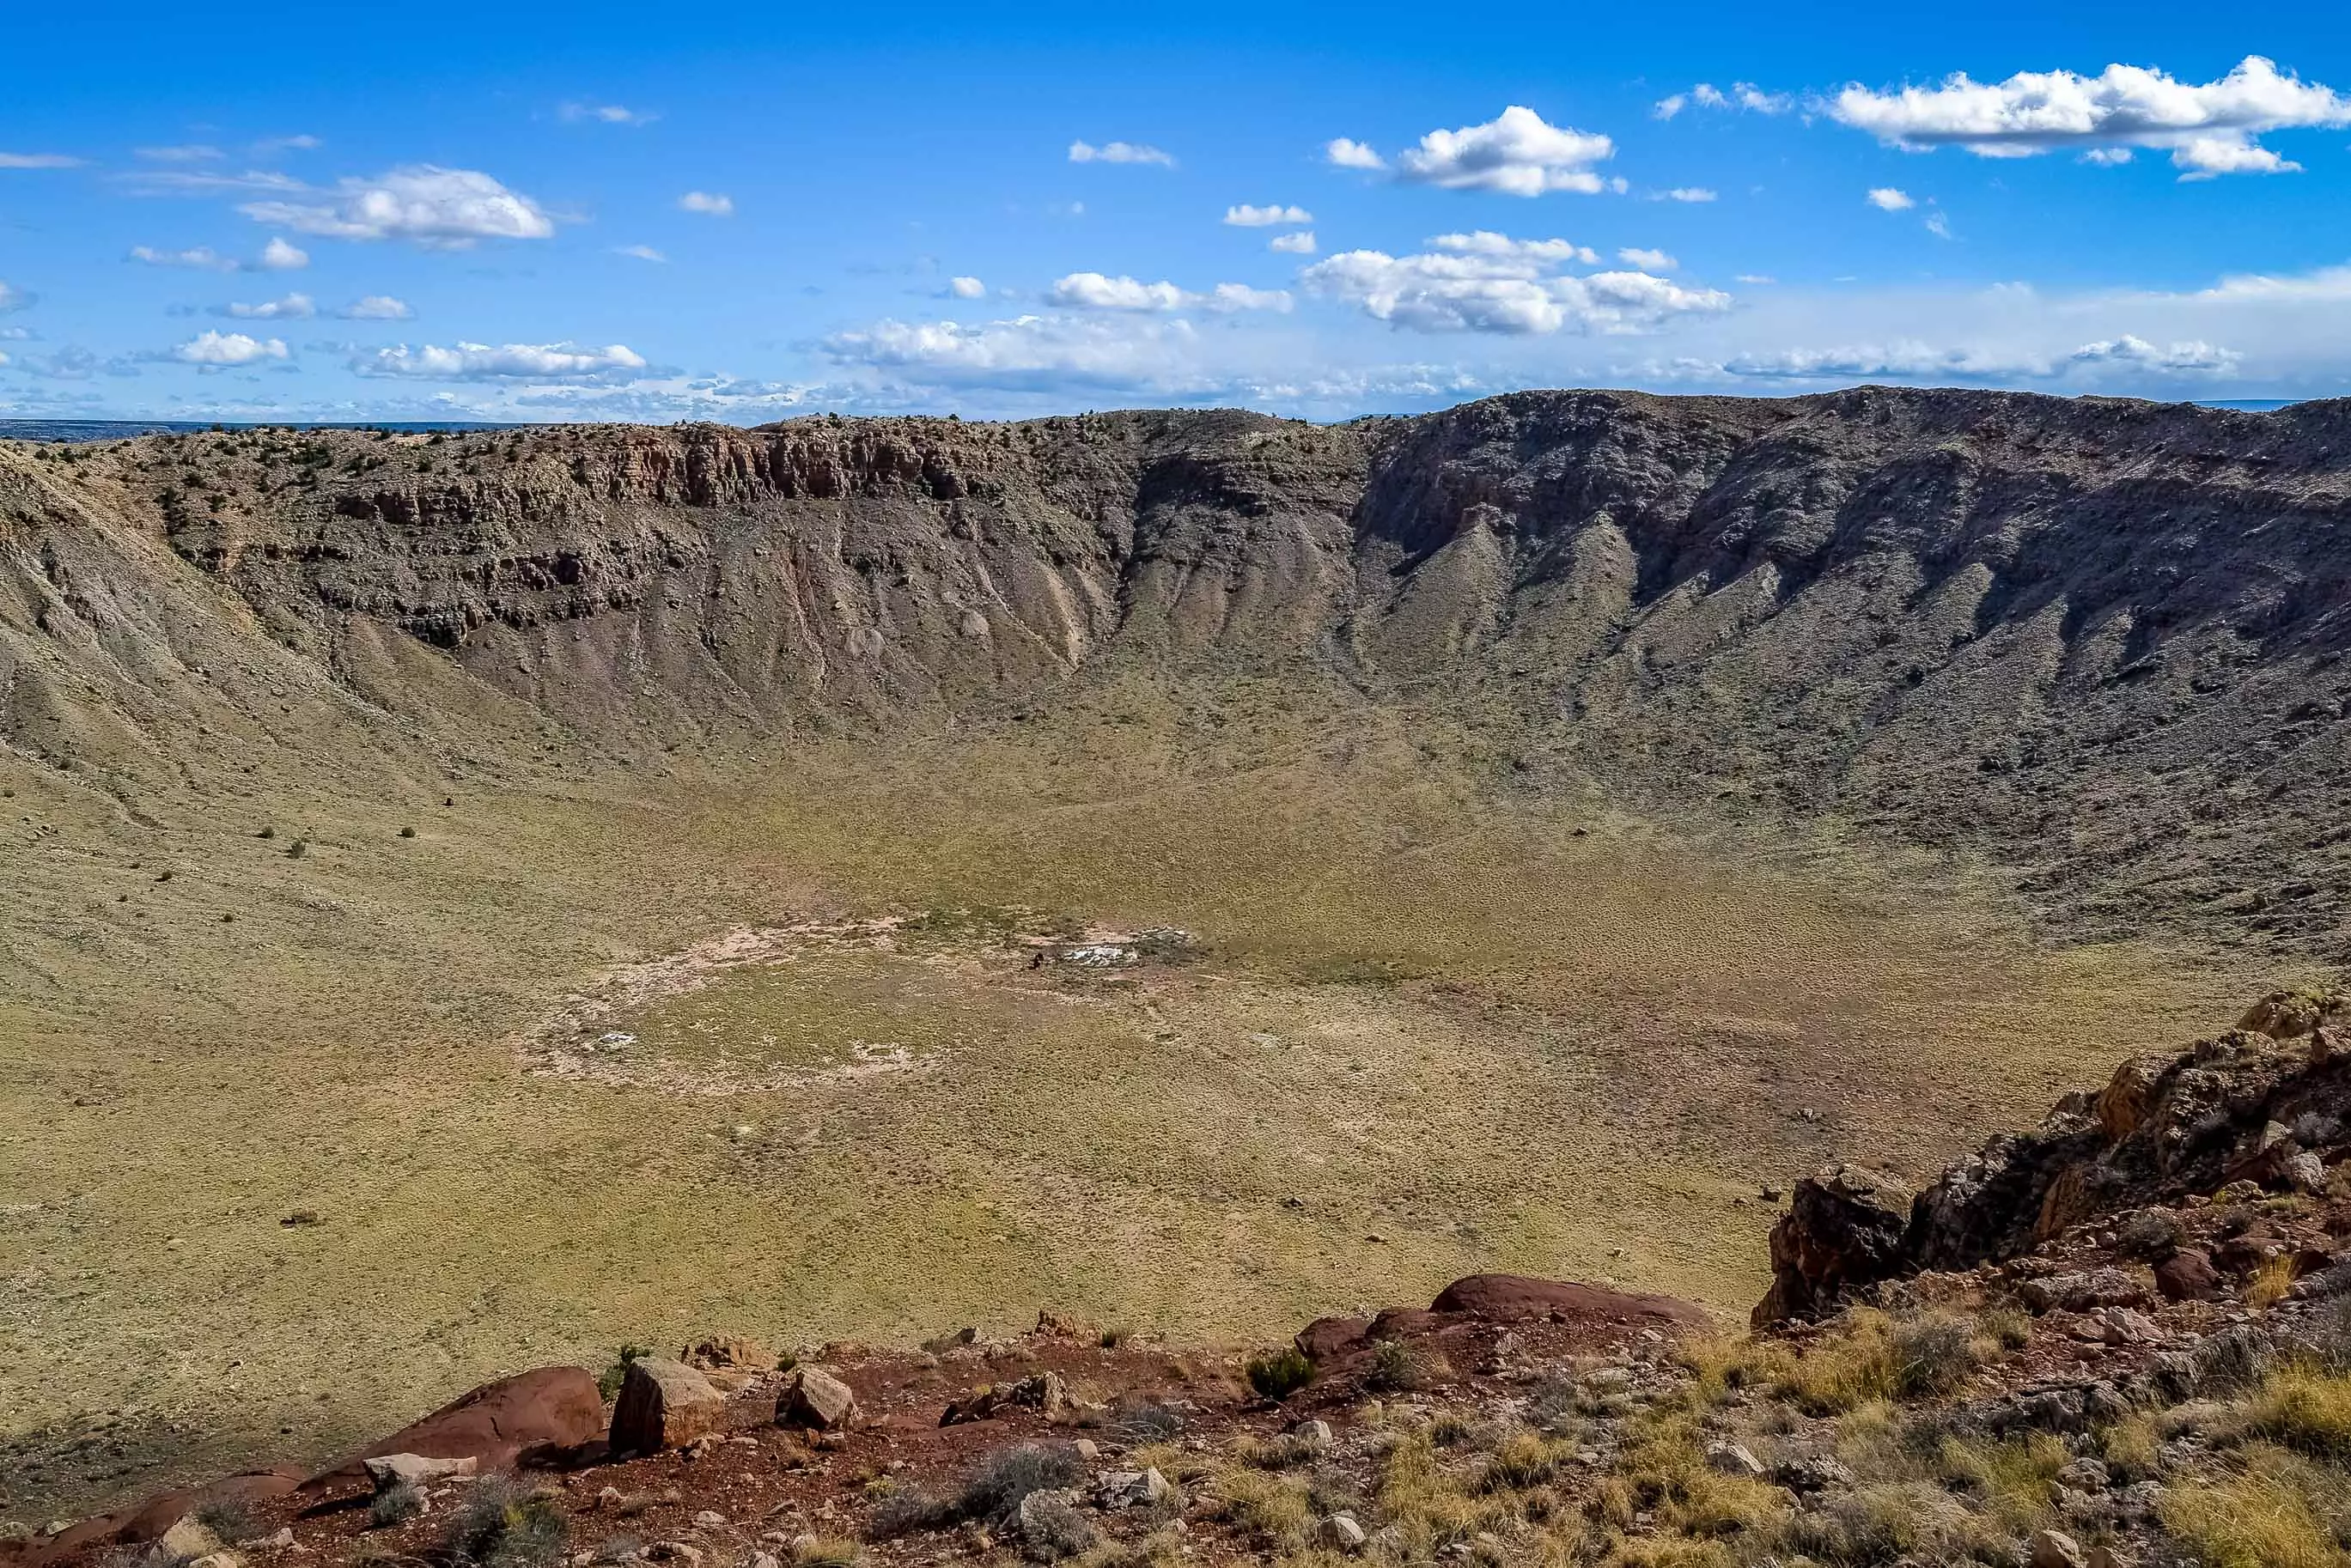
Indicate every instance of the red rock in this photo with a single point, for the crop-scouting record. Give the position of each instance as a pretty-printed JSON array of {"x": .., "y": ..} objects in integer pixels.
[
  {"x": 1327, "y": 1338},
  {"x": 552, "y": 1406},
  {"x": 663, "y": 1404},
  {"x": 2188, "y": 1276},
  {"x": 148, "y": 1521},
  {"x": 1514, "y": 1298}
]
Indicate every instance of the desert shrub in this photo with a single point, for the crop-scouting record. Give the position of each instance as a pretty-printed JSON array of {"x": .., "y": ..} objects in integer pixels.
[
  {"x": 228, "y": 1519},
  {"x": 1145, "y": 1420},
  {"x": 618, "y": 1549},
  {"x": 2231, "y": 1359},
  {"x": 2151, "y": 1235},
  {"x": 1273, "y": 1511},
  {"x": 2280, "y": 1512},
  {"x": 608, "y": 1381},
  {"x": 1051, "y": 1530},
  {"x": 996, "y": 1484},
  {"x": 1399, "y": 1367},
  {"x": 1932, "y": 1354},
  {"x": 908, "y": 1509},
  {"x": 2306, "y": 1408},
  {"x": 2271, "y": 1282},
  {"x": 827, "y": 1552},
  {"x": 395, "y": 1504},
  {"x": 1884, "y": 1525},
  {"x": 502, "y": 1524},
  {"x": 2011, "y": 1477},
  {"x": 1522, "y": 1459},
  {"x": 2005, "y": 1328},
  {"x": 1278, "y": 1373},
  {"x": 1835, "y": 1374},
  {"x": 2133, "y": 1447}
]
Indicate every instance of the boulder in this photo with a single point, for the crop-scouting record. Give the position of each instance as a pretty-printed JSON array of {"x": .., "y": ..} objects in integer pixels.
[
  {"x": 2080, "y": 1292},
  {"x": 1052, "y": 1325},
  {"x": 1341, "y": 1532},
  {"x": 663, "y": 1404},
  {"x": 816, "y": 1399},
  {"x": 389, "y": 1470},
  {"x": 552, "y": 1407},
  {"x": 1733, "y": 1459},
  {"x": 2188, "y": 1276},
  {"x": 1842, "y": 1230},
  {"x": 2056, "y": 1549},
  {"x": 1043, "y": 1392},
  {"x": 1132, "y": 1488},
  {"x": 1518, "y": 1298}
]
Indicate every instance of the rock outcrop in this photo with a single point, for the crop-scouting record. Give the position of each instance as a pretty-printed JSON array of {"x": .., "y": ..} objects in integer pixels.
[{"x": 2266, "y": 1105}]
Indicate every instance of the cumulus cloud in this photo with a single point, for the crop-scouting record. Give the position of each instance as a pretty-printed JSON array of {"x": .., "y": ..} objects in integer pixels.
[
  {"x": 1910, "y": 360},
  {"x": 1119, "y": 153},
  {"x": 967, "y": 288},
  {"x": 1300, "y": 244},
  {"x": 638, "y": 253},
  {"x": 1490, "y": 283},
  {"x": 607, "y": 114},
  {"x": 1245, "y": 216},
  {"x": 377, "y": 307},
  {"x": 508, "y": 361},
  {"x": 1516, "y": 153},
  {"x": 1345, "y": 152},
  {"x": 2128, "y": 349},
  {"x": 1037, "y": 352},
  {"x": 709, "y": 203},
  {"x": 1939, "y": 226},
  {"x": 1887, "y": 198},
  {"x": 1094, "y": 291},
  {"x": 443, "y": 209},
  {"x": 275, "y": 256},
  {"x": 293, "y": 308},
  {"x": 1646, "y": 260},
  {"x": 37, "y": 160},
  {"x": 221, "y": 349},
  {"x": 279, "y": 256},
  {"x": 2208, "y": 130}
]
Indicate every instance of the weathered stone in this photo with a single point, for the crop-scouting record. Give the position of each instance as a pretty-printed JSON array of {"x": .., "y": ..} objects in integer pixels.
[
  {"x": 2056, "y": 1549},
  {"x": 1842, "y": 1230},
  {"x": 816, "y": 1399},
  {"x": 2082, "y": 1291},
  {"x": 663, "y": 1404},
  {"x": 2188, "y": 1276},
  {"x": 1341, "y": 1532},
  {"x": 1733, "y": 1459},
  {"x": 1314, "y": 1437},
  {"x": 1813, "y": 1472},
  {"x": 387, "y": 1471},
  {"x": 1132, "y": 1488},
  {"x": 730, "y": 1354},
  {"x": 188, "y": 1540}
]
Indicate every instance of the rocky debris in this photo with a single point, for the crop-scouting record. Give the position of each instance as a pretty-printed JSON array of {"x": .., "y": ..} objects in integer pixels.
[
  {"x": 2246, "y": 1113},
  {"x": 1132, "y": 1488},
  {"x": 552, "y": 1408},
  {"x": 2081, "y": 1291},
  {"x": 1733, "y": 1459},
  {"x": 389, "y": 1470},
  {"x": 2056, "y": 1549},
  {"x": 1341, "y": 1532},
  {"x": 663, "y": 1404},
  {"x": 1042, "y": 1392},
  {"x": 1052, "y": 1325},
  {"x": 816, "y": 1399},
  {"x": 730, "y": 1354},
  {"x": 1802, "y": 1473}
]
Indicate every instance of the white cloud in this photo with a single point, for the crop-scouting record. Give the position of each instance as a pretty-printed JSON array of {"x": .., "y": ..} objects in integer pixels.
[
  {"x": 967, "y": 288},
  {"x": 203, "y": 256},
  {"x": 37, "y": 160},
  {"x": 1119, "y": 153},
  {"x": 2327, "y": 286},
  {"x": 377, "y": 307},
  {"x": 225, "y": 348},
  {"x": 293, "y": 308},
  {"x": 1245, "y": 216},
  {"x": 607, "y": 114},
  {"x": 709, "y": 203},
  {"x": 2128, "y": 349},
  {"x": 1516, "y": 153},
  {"x": 191, "y": 154},
  {"x": 510, "y": 361},
  {"x": 2208, "y": 130},
  {"x": 1939, "y": 226},
  {"x": 1300, "y": 244},
  {"x": 445, "y": 209},
  {"x": 1094, "y": 291},
  {"x": 1887, "y": 198},
  {"x": 268, "y": 145},
  {"x": 639, "y": 253},
  {"x": 1646, "y": 260},
  {"x": 1489, "y": 283},
  {"x": 279, "y": 256},
  {"x": 12, "y": 297},
  {"x": 1905, "y": 359},
  {"x": 1756, "y": 280},
  {"x": 1344, "y": 153},
  {"x": 1687, "y": 193},
  {"x": 1028, "y": 352},
  {"x": 1744, "y": 96},
  {"x": 1670, "y": 105}
]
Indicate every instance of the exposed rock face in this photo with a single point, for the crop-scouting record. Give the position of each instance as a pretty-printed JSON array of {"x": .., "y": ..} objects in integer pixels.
[
  {"x": 816, "y": 1398},
  {"x": 551, "y": 1408},
  {"x": 2256, "y": 1105},
  {"x": 2098, "y": 637}
]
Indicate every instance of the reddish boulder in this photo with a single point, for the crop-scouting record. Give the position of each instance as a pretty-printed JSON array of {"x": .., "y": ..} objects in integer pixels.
[
  {"x": 1515, "y": 1298},
  {"x": 1328, "y": 1338},
  {"x": 147, "y": 1521},
  {"x": 496, "y": 1425},
  {"x": 663, "y": 1404},
  {"x": 1841, "y": 1232},
  {"x": 2188, "y": 1276}
]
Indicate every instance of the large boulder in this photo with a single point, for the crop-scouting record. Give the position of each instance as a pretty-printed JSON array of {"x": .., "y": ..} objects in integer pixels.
[
  {"x": 551, "y": 1408},
  {"x": 815, "y": 1399},
  {"x": 1515, "y": 1298},
  {"x": 1842, "y": 1230},
  {"x": 663, "y": 1404},
  {"x": 147, "y": 1522}
]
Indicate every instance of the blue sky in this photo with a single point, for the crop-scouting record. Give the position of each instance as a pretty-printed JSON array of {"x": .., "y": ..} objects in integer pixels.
[{"x": 744, "y": 213}]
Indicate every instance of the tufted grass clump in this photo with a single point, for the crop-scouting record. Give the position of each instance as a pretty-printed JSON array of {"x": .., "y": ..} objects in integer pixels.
[
  {"x": 1278, "y": 1373},
  {"x": 503, "y": 1525}
]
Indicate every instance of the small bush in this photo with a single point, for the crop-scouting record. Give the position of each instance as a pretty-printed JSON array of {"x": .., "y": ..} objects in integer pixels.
[
  {"x": 228, "y": 1519},
  {"x": 1524, "y": 1459},
  {"x": 1399, "y": 1367},
  {"x": 1833, "y": 1375},
  {"x": 298, "y": 849},
  {"x": 827, "y": 1552},
  {"x": 1274, "y": 1512},
  {"x": 996, "y": 1485},
  {"x": 2151, "y": 1235},
  {"x": 2275, "y": 1515},
  {"x": 505, "y": 1525},
  {"x": 2231, "y": 1359},
  {"x": 1933, "y": 1355},
  {"x": 408, "y": 833},
  {"x": 619, "y": 1549},
  {"x": 1142, "y": 1420},
  {"x": 1278, "y": 1373},
  {"x": 911, "y": 1509},
  {"x": 608, "y": 1381},
  {"x": 2271, "y": 1282},
  {"x": 395, "y": 1504},
  {"x": 266, "y": 832},
  {"x": 1052, "y": 1530}
]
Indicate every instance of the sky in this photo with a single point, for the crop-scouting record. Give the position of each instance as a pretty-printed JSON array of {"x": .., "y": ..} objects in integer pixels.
[{"x": 523, "y": 212}]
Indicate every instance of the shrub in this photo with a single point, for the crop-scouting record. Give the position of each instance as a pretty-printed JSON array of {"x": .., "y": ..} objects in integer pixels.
[
  {"x": 618, "y": 1549},
  {"x": 2151, "y": 1235},
  {"x": 608, "y": 1381},
  {"x": 2011, "y": 1477},
  {"x": 1398, "y": 1367},
  {"x": 996, "y": 1485},
  {"x": 1051, "y": 1530},
  {"x": 1884, "y": 1525},
  {"x": 228, "y": 1519},
  {"x": 1278, "y": 1373},
  {"x": 827, "y": 1552},
  {"x": 2231, "y": 1358},
  {"x": 395, "y": 1504},
  {"x": 504, "y": 1525},
  {"x": 1932, "y": 1354},
  {"x": 2275, "y": 1515},
  {"x": 1274, "y": 1512},
  {"x": 1833, "y": 1375},
  {"x": 909, "y": 1509},
  {"x": 298, "y": 849},
  {"x": 1524, "y": 1459},
  {"x": 2271, "y": 1282},
  {"x": 1142, "y": 1420}
]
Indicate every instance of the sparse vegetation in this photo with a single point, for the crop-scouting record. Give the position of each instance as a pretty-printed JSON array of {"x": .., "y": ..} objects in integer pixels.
[
  {"x": 502, "y": 1523},
  {"x": 1278, "y": 1373}
]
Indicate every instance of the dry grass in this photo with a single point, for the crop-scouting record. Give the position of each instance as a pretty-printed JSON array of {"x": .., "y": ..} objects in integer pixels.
[
  {"x": 2271, "y": 1284},
  {"x": 2279, "y": 1512},
  {"x": 2305, "y": 1408},
  {"x": 1558, "y": 1096}
]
